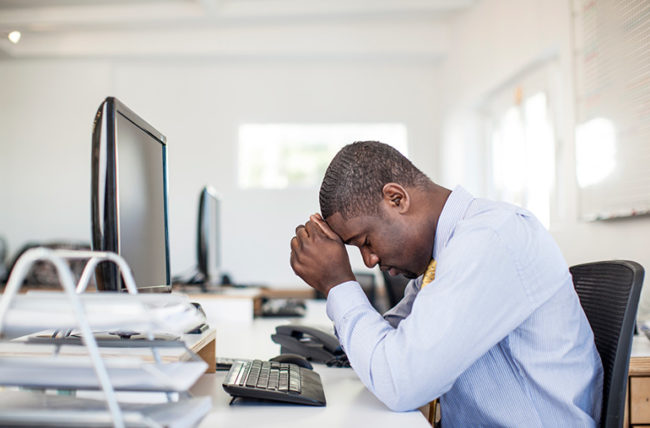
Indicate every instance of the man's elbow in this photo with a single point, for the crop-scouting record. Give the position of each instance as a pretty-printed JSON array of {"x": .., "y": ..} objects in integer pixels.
[
  {"x": 400, "y": 402},
  {"x": 397, "y": 406},
  {"x": 408, "y": 396}
]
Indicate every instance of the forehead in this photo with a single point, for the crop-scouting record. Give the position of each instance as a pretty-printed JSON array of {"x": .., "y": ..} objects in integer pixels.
[{"x": 349, "y": 229}]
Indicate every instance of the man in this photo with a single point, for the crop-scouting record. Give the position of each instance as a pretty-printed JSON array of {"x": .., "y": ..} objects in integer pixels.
[{"x": 499, "y": 335}]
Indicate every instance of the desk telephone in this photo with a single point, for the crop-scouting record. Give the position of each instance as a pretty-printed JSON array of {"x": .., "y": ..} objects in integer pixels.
[{"x": 310, "y": 342}]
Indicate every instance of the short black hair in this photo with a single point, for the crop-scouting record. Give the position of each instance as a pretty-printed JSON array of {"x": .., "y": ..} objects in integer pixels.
[{"x": 354, "y": 180}]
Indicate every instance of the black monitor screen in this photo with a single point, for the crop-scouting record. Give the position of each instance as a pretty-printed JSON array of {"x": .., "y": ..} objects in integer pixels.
[
  {"x": 129, "y": 197},
  {"x": 141, "y": 203},
  {"x": 208, "y": 236}
]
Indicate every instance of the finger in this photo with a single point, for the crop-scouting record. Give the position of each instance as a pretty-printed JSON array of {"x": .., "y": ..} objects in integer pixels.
[
  {"x": 301, "y": 232},
  {"x": 313, "y": 229},
  {"x": 292, "y": 258},
  {"x": 327, "y": 230},
  {"x": 294, "y": 244},
  {"x": 293, "y": 262}
]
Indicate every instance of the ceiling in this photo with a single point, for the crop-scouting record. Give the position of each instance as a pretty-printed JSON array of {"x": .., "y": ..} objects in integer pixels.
[{"x": 227, "y": 28}]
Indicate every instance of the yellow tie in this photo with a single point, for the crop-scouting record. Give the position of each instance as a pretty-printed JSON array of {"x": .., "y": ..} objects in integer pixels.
[{"x": 429, "y": 276}]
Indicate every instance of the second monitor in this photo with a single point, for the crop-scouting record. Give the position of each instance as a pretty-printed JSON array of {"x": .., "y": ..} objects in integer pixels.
[{"x": 208, "y": 239}]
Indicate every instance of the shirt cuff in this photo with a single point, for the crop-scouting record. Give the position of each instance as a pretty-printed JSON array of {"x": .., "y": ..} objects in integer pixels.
[{"x": 344, "y": 297}]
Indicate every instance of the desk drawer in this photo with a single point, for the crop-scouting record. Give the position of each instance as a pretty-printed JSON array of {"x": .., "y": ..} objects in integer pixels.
[{"x": 639, "y": 400}]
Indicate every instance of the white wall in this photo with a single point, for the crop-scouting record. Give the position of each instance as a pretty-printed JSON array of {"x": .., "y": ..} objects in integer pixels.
[
  {"x": 46, "y": 113},
  {"x": 490, "y": 45}
]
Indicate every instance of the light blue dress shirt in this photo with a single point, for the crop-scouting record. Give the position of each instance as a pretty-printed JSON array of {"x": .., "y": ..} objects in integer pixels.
[{"x": 499, "y": 334}]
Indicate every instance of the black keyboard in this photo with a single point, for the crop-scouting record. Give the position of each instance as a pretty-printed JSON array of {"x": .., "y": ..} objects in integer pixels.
[{"x": 270, "y": 380}]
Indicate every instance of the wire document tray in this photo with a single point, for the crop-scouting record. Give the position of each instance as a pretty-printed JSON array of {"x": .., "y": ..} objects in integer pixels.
[{"x": 74, "y": 310}]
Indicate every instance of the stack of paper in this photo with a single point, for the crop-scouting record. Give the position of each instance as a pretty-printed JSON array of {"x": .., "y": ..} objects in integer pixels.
[
  {"x": 125, "y": 374},
  {"x": 20, "y": 408},
  {"x": 35, "y": 311}
]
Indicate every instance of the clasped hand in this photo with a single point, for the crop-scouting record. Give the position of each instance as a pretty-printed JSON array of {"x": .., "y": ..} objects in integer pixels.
[{"x": 318, "y": 255}]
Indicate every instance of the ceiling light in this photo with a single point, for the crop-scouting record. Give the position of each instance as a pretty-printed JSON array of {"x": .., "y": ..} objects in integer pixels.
[{"x": 14, "y": 36}]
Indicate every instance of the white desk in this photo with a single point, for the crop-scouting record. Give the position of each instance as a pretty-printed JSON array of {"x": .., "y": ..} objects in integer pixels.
[{"x": 349, "y": 403}]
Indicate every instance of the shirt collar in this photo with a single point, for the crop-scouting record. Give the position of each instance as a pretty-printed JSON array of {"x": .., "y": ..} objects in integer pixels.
[{"x": 453, "y": 211}]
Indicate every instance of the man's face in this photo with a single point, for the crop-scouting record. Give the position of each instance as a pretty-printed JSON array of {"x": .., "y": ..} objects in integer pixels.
[{"x": 387, "y": 239}]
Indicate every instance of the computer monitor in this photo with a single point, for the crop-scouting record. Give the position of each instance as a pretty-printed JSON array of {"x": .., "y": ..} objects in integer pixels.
[
  {"x": 129, "y": 197},
  {"x": 208, "y": 237}
]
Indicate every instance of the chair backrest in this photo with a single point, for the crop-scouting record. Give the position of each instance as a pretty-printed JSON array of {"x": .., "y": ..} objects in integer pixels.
[
  {"x": 369, "y": 286},
  {"x": 395, "y": 286},
  {"x": 609, "y": 294}
]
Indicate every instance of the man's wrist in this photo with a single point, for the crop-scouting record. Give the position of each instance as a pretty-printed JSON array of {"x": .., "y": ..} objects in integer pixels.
[
  {"x": 343, "y": 298},
  {"x": 326, "y": 290}
]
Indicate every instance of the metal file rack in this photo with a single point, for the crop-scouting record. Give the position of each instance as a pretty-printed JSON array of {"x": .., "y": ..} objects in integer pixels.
[{"x": 61, "y": 373}]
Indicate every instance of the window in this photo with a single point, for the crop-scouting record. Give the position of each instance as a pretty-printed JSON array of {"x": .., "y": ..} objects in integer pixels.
[
  {"x": 278, "y": 156},
  {"x": 522, "y": 150}
]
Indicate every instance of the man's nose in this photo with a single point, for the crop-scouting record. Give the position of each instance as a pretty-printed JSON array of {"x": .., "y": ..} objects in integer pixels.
[{"x": 369, "y": 258}]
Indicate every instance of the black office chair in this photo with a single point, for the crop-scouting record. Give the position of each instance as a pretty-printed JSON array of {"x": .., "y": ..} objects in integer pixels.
[
  {"x": 3, "y": 258},
  {"x": 369, "y": 286},
  {"x": 395, "y": 286},
  {"x": 43, "y": 274},
  {"x": 609, "y": 294}
]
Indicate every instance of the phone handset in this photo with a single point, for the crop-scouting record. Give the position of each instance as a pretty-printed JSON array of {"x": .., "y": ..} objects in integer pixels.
[{"x": 310, "y": 342}]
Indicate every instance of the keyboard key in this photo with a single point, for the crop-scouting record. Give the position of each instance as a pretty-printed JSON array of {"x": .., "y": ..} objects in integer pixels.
[
  {"x": 235, "y": 374},
  {"x": 274, "y": 378},
  {"x": 294, "y": 385},
  {"x": 251, "y": 380}
]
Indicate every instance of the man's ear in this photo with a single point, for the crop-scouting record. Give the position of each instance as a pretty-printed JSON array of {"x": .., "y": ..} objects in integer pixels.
[{"x": 396, "y": 197}]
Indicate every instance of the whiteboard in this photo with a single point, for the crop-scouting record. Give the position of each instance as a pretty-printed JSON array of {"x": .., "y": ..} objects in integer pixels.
[{"x": 612, "y": 81}]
